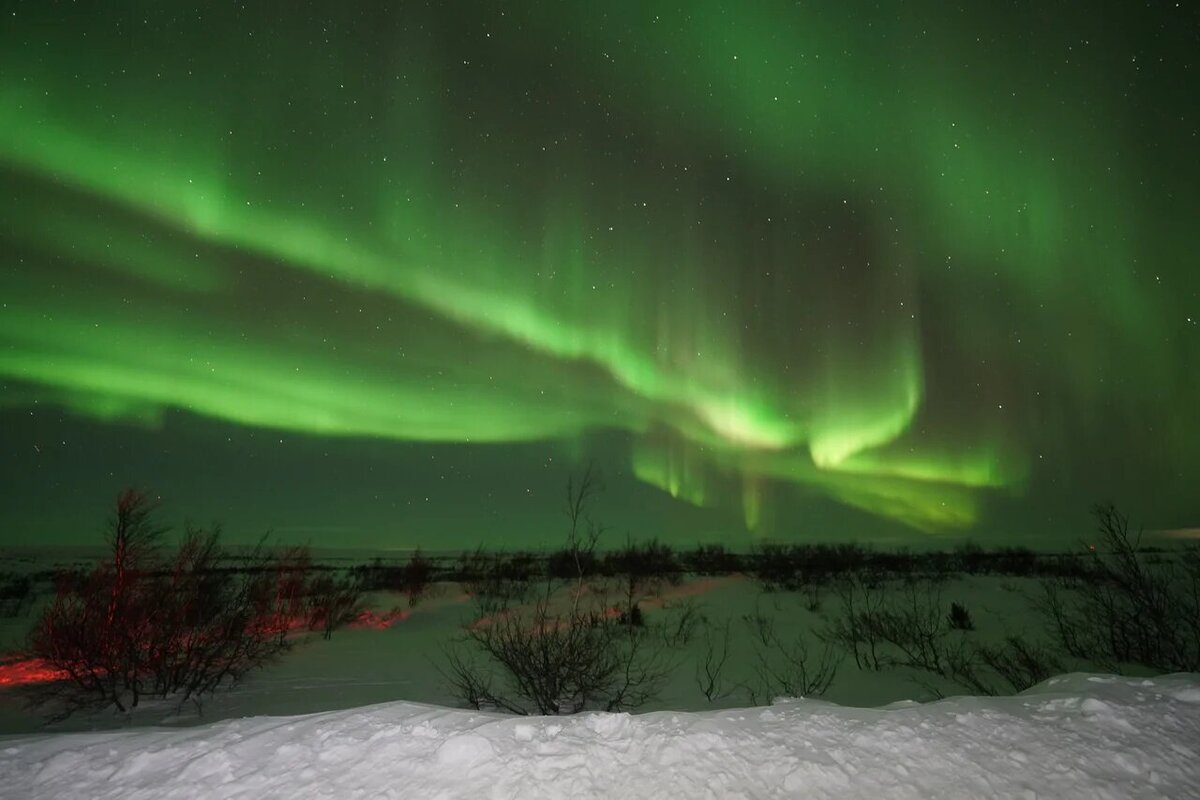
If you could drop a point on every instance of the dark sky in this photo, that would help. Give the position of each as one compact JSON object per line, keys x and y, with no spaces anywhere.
{"x":385,"y":274}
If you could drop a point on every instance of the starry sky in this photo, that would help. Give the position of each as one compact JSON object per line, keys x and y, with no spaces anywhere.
{"x":385,"y":274}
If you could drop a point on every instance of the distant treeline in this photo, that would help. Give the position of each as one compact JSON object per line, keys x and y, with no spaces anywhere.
{"x":784,"y":567}
{"x":777,"y":566}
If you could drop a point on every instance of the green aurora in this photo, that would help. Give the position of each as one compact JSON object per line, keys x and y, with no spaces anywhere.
{"x":808,"y":270}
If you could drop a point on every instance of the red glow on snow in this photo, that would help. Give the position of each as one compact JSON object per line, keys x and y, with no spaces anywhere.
{"x":491,"y":619}
{"x":275,"y":624}
{"x":668,"y":596}
{"x":380,"y":622}
{"x":692,"y":589}
{"x":30,"y":670}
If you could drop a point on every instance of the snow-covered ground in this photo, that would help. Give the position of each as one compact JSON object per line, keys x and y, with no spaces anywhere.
{"x":375,"y":734}
{"x":367,"y":665}
{"x":1076,"y":736}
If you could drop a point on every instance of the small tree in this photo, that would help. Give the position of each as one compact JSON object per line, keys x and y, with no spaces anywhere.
{"x":283,"y":601}
{"x":95,"y":628}
{"x":332,"y":603}
{"x":416,"y":577}
{"x":144,"y":624}
{"x":560,"y":657}
{"x":710,"y":669}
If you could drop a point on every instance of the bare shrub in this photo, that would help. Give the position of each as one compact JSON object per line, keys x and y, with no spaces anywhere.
{"x":960,"y":618}
{"x":282,"y":602}
{"x":784,"y":667}
{"x":496,"y":580}
{"x":1127,"y":608}
{"x":416,"y":577}
{"x":679,"y":628}
{"x":1020,"y":663}
{"x":915,"y":626}
{"x":332,"y":603}
{"x":855,"y":630}
{"x":909,"y":627}
{"x":141,"y":624}
{"x":564,"y":657}
{"x":710,"y":669}
{"x":556,"y":661}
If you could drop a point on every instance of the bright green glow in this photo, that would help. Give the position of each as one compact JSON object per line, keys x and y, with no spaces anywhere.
{"x":944,"y":508}
{"x":867,"y":410}
{"x":408,"y":273}
{"x":776,"y":247}
{"x":106,"y":368}
{"x":672,"y":469}
{"x":752,"y":502}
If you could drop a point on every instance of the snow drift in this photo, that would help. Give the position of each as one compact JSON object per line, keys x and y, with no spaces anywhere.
{"x":1077,"y":736}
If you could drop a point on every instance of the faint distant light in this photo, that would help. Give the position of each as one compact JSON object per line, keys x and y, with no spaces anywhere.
{"x":1181,"y":533}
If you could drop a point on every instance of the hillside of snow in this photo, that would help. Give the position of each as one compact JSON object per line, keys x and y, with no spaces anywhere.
{"x":1076,"y":736}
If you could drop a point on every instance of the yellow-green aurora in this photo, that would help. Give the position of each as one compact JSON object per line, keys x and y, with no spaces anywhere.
{"x":937,"y":263}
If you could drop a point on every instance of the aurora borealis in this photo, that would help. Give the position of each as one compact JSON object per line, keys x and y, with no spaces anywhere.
{"x":384,"y":273}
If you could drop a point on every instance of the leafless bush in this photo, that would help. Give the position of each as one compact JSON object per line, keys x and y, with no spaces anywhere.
{"x":416,"y":577}
{"x":1020,"y":663}
{"x":332,"y":603}
{"x":1125,"y":608}
{"x":856,"y":630}
{"x":915,"y":625}
{"x":544,"y":661}
{"x":282,"y":601}
{"x":784,"y":667}
{"x":564,"y":658}
{"x":710,"y":669}
{"x":143,"y":625}
{"x":678,"y":629}
{"x":496,"y":580}
{"x":909,"y":627}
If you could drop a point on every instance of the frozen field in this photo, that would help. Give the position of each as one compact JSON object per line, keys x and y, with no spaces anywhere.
{"x":369,"y":664}
{"x":402,"y":658}
{"x":370,"y":714}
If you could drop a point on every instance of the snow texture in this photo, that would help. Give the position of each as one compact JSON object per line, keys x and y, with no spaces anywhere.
{"x":1077,"y":736}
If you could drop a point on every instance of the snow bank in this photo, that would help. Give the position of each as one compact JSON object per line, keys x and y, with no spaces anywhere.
{"x":1077,"y":736}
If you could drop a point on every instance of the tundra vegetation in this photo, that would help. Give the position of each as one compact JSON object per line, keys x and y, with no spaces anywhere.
{"x":581,"y":628}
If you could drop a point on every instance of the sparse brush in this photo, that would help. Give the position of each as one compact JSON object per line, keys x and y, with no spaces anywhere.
{"x":1119,"y":608}
{"x":563,"y":657}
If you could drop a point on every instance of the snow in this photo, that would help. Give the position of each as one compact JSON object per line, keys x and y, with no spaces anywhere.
{"x":1075,"y":736}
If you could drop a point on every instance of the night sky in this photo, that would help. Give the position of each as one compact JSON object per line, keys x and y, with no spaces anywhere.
{"x":385,"y":274}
